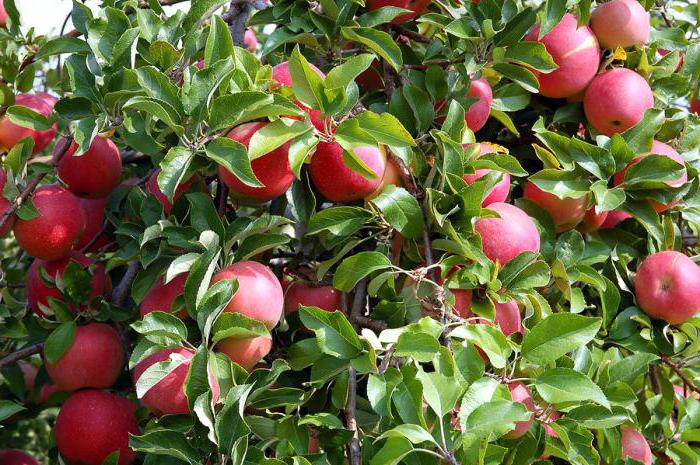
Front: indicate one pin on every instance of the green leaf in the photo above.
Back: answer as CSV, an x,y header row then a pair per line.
x,y
440,392
198,279
554,12
59,341
495,418
233,156
199,11
561,385
237,326
198,90
334,333
531,54
273,135
354,268
340,221
307,85
401,210
368,126
159,109
418,345
166,443
516,28
156,372
640,137
28,118
341,76
9,408
62,45
219,42
519,75
161,324
378,41
489,339
558,334
414,433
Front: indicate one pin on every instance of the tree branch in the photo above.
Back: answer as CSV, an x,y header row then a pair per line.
x,y
121,292
677,370
20,354
354,451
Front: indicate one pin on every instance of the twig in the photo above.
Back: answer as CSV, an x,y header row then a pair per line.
x,y
654,378
122,290
96,237
662,11
410,34
677,370
389,77
221,197
237,18
354,452
20,354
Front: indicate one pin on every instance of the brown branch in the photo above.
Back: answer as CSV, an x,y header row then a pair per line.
x,y
418,37
20,354
677,370
662,11
354,451
221,197
96,237
144,3
389,79
654,378
121,292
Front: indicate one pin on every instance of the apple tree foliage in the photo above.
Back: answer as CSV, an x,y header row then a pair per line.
x,y
394,376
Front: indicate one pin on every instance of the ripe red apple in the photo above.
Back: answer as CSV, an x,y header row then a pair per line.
x,y
616,100
575,50
479,111
161,297
246,352
621,23
592,221
566,213
283,76
499,192
152,187
635,446
10,133
520,393
94,174
695,106
667,287
614,218
93,360
14,456
323,297
167,397
682,392
61,222
657,148
38,293
93,424
95,217
392,176
4,204
336,181
371,78
3,15
507,317
272,169
416,6
29,373
506,237
250,40
259,295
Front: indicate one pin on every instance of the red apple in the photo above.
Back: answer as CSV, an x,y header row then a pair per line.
x,y
479,111
682,392
336,181
614,218
3,15
10,133
162,296
416,6
272,169
95,217
616,100
635,446
250,40
4,204
695,106
371,78
283,76
620,23
246,352
520,393
499,192
14,456
575,50
566,213
29,373
507,317
94,174
299,294
38,293
667,287
93,360
152,187
93,424
592,221
392,176
505,237
657,148
61,222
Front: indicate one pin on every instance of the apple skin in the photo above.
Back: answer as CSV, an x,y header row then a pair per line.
x,y
152,187
667,287
506,237
59,226
575,50
499,192
10,133
506,315
4,203
621,23
255,281
520,393
336,181
3,15
93,424
616,100
679,390
566,213
94,174
93,360
246,352
695,106
162,296
392,176
657,148
592,221
298,294
371,78
250,40
38,293
272,169
95,216
416,6
15,456
283,76
614,218
478,113
635,446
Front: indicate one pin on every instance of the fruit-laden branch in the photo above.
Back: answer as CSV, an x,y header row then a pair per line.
x,y
20,354
676,368
121,292
59,151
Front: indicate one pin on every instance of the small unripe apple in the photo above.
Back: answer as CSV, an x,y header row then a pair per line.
x,y
299,294
416,6
152,187
499,192
504,238
520,393
657,148
250,40
621,23
392,176
566,213
336,181
93,360
246,352
93,424
478,113
14,456
575,50
667,287
614,218
10,133
59,226
695,106
95,217
95,173
271,169
635,446
38,293
283,76
4,204
616,100
592,221
161,297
